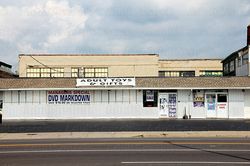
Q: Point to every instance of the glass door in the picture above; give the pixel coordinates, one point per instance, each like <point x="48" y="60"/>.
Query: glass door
<point x="211" y="105"/>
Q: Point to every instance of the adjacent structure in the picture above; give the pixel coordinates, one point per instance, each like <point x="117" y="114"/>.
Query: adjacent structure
<point x="114" y="65"/>
<point x="237" y="63"/>
<point x="5" y="71"/>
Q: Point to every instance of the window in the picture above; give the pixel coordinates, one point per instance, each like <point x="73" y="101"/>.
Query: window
<point x="45" y="72"/>
<point x="187" y="73"/>
<point x="176" y="73"/>
<point x="225" y="68"/>
<point x="89" y="72"/>
<point x="231" y="68"/>
<point x="244" y="59"/>
<point x="221" y="98"/>
<point x="239" y="61"/>
<point x="57" y="72"/>
<point x="33" y="72"/>
<point x="210" y="73"/>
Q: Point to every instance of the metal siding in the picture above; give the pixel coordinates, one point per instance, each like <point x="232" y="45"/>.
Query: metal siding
<point x="197" y="112"/>
<point x="236" y="104"/>
<point x="247" y="104"/>
<point x="183" y="102"/>
<point x="42" y="110"/>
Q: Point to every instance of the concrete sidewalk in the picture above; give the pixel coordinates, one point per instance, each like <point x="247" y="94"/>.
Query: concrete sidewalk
<point x="143" y="134"/>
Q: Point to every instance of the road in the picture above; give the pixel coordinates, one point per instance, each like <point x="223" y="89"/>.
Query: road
<point x="111" y="125"/>
<point x="125" y="152"/>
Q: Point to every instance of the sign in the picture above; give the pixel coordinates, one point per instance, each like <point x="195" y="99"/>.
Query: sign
<point x="68" y="97"/>
<point x="105" y="82"/>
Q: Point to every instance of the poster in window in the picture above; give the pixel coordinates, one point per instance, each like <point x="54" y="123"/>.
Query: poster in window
<point x="149" y="95"/>
<point x="211" y="102"/>
<point x="198" y="100"/>
<point x="172" y="105"/>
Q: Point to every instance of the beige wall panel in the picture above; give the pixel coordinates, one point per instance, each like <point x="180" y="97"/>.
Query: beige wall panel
<point x="120" y="65"/>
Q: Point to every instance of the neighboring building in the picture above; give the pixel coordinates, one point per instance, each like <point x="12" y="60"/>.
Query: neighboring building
<point x="88" y="65"/>
<point x="114" y="65"/>
<point x="5" y="70"/>
<point x="237" y="63"/>
<point x="189" y="67"/>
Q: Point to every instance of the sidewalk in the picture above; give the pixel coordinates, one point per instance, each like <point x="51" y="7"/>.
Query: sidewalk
<point x="157" y="134"/>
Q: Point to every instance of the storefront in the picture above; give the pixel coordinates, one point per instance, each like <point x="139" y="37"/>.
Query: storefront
<point x="167" y="98"/>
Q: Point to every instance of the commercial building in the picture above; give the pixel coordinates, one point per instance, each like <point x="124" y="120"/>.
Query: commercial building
<point x="140" y="97"/>
<point x="87" y="86"/>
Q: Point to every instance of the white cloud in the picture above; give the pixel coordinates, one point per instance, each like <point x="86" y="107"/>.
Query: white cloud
<point x="42" y="25"/>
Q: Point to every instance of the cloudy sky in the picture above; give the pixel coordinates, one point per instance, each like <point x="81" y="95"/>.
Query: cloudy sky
<point x="171" y="28"/>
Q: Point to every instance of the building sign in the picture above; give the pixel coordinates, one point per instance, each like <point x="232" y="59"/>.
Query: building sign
<point x="68" y="97"/>
<point x="105" y="82"/>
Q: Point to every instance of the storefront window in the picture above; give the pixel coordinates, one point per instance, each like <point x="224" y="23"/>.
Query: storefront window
<point x="150" y="98"/>
<point x="222" y="98"/>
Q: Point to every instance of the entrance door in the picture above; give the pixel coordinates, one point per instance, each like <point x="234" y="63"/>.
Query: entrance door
<point x="222" y="106"/>
<point x="217" y="105"/>
<point x="167" y="105"/>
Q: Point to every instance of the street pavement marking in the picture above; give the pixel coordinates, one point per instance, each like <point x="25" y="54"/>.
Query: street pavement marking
<point x="124" y="143"/>
<point x="184" y="162"/>
<point x="122" y="150"/>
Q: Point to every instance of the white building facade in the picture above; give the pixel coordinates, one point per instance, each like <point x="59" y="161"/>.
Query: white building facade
<point x="171" y="98"/>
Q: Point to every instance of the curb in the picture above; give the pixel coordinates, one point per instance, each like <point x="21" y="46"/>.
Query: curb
<point x="143" y="134"/>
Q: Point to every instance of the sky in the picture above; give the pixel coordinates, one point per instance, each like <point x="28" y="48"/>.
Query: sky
<point x="174" y="29"/>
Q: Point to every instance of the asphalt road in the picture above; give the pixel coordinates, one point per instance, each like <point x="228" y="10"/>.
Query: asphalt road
<point x="123" y="125"/>
<point x="125" y="152"/>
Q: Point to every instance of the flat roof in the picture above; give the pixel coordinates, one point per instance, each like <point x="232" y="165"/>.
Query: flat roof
<point x="88" y="54"/>
<point x="190" y="59"/>
<point x="141" y="83"/>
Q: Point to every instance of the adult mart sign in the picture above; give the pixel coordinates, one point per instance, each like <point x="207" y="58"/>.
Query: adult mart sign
<point x="105" y="82"/>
